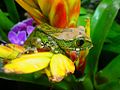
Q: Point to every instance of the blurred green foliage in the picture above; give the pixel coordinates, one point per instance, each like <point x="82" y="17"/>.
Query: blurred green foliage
<point x="102" y="72"/>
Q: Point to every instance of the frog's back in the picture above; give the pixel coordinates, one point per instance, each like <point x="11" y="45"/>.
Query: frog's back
<point x="63" y="34"/>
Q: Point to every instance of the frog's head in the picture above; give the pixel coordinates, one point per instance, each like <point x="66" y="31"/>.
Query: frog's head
<point x="79" y="50"/>
<point x="75" y="46"/>
<point x="79" y="44"/>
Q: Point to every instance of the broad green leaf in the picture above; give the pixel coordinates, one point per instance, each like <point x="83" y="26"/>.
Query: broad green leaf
<point x="26" y="78"/>
<point x="87" y="84"/>
<point x="112" y="71"/>
<point x="109" y="77"/>
<point x="114" y="32"/>
<point x="115" y="85"/>
<point x="31" y="78"/>
<point x="100" y="25"/>
<point x="11" y="8"/>
<point x="5" y="23"/>
<point x="112" y="42"/>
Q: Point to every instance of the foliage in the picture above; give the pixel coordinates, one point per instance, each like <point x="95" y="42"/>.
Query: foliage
<point x="105" y="35"/>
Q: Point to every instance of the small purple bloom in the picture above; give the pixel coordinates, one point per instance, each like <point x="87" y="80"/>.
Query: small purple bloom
<point x="20" y="31"/>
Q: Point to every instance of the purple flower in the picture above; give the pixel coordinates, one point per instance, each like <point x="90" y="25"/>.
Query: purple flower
<point x="20" y="32"/>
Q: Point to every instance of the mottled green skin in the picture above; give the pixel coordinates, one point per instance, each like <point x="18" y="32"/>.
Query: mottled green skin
<point x="44" y="36"/>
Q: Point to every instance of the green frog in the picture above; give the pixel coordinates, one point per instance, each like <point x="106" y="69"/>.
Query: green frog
<point x="73" y="42"/>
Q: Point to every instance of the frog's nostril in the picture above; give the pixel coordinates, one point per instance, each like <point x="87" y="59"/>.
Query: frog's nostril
<point x="79" y="42"/>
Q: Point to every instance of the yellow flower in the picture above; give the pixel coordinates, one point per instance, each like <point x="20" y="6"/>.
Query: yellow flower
<point x="58" y="13"/>
<point x="56" y="66"/>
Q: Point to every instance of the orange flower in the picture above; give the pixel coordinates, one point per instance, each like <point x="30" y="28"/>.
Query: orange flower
<point x="58" y="13"/>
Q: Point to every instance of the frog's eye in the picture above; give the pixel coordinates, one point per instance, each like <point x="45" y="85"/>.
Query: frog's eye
<point x="79" y="42"/>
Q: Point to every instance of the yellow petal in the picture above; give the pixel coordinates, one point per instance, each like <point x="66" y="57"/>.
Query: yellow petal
<point x="57" y="68"/>
<point x="48" y="73"/>
<point x="8" y="53"/>
<point x="32" y="3"/>
<point x="38" y="55"/>
<point x="35" y="13"/>
<point x="16" y="47"/>
<point x="45" y="6"/>
<point x="60" y="65"/>
<point x="69" y="65"/>
<point x="24" y="65"/>
<point x="74" y="10"/>
<point x="87" y="27"/>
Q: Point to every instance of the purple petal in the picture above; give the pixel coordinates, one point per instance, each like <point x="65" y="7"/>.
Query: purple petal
<point x="30" y="29"/>
<point x="28" y="21"/>
<point x="20" y="31"/>
<point x="12" y="36"/>
<point x="19" y="27"/>
<point x="22" y="37"/>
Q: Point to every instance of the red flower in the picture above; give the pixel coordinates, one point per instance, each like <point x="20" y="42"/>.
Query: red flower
<point x="58" y="13"/>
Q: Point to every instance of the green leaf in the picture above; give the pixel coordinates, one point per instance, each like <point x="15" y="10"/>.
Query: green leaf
<point x="5" y="23"/>
<point x="25" y="78"/>
<point x="3" y="35"/>
<point x="83" y="11"/>
<point x="111" y="72"/>
<point x="112" y="42"/>
<point x="31" y="78"/>
<point x="115" y="85"/>
<point x="35" y="78"/>
<point x="109" y="77"/>
<point x="11" y="8"/>
<point x="81" y="19"/>
<point x="87" y="84"/>
<point x="114" y="32"/>
<point x="100" y="25"/>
